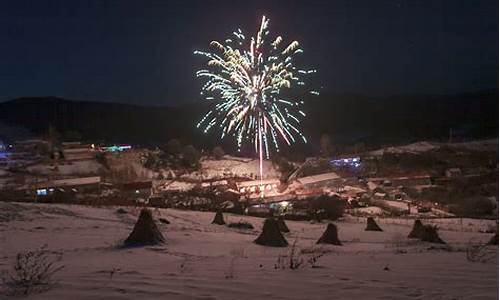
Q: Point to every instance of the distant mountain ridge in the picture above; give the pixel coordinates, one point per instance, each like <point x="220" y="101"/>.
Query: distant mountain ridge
<point x="347" y="118"/>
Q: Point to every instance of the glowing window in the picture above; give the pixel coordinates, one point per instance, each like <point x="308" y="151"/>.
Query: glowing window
<point x="41" y="192"/>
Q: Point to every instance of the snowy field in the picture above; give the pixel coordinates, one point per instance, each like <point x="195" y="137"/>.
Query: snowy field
<point x="205" y="261"/>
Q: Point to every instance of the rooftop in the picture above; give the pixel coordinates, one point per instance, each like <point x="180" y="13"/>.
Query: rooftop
<point x="137" y="185"/>
<point x="243" y="184"/>
<point x="318" y="178"/>
<point x="70" y="182"/>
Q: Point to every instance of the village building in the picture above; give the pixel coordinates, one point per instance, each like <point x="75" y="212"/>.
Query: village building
<point x="322" y="180"/>
<point x="215" y="183"/>
<point x="174" y="186"/>
<point x="254" y="188"/>
<point x="78" y="151"/>
<point x="68" y="186"/>
<point x="352" y="191"/>
<point x="402" y="181"/>
<point x="351" y="162"/>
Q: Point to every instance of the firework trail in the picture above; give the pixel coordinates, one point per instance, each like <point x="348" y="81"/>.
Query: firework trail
<point x="246" y="81"/>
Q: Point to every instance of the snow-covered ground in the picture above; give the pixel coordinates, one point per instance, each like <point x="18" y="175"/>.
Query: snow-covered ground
<point x="205" y="261"/>
<point x="369" y="211"/>
<point x="174" y="185"/>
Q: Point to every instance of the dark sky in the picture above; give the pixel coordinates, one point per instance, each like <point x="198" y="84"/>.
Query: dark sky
<point x="141" y="51"/>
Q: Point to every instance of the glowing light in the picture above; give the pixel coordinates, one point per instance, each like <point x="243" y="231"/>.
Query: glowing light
<point x="284" y="203"/>
<point x="116" y="148"/>
<point x="346" y="162"/>
<point x="246" y="86"/>
<point x="41" y="192"/>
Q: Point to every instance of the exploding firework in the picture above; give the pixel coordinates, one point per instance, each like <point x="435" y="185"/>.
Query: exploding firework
<point x="246" y="82"/>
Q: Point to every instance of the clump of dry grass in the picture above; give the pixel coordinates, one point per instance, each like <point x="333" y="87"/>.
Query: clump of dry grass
<point x="480" y="252"/>
<point x="297" y="259"/>
<point x="33" y="272"/>
<point x="241" y="225"/>
<point x="230" y="272"/>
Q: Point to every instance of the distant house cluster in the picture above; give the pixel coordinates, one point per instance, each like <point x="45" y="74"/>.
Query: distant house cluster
<point x="273" y="189"/>
<point x="255" y="187"/>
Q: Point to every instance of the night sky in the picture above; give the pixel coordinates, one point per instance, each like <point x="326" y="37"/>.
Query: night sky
<point x="141" y="52"/>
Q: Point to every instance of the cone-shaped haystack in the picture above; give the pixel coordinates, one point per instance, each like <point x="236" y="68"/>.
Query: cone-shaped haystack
<point x="417" y="230"/>
<point x="271" y="235"/>
<point x="430" y="234"/>
<point x="330" y="236"/>
<point x="282" y="225"/>
<point x="494" y="240"/>
<point x="145" y="231"/>
<point x="219" y="218"/>
<point x="371" y="225"/>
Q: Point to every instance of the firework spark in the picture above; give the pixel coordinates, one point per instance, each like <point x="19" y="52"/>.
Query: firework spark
<point x="246" y="83"/>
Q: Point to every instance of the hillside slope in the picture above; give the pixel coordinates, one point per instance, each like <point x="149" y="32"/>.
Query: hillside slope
<point x="346" y="118"/>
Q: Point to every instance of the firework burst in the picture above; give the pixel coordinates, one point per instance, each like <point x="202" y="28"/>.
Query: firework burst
<point x="246" y="81"/>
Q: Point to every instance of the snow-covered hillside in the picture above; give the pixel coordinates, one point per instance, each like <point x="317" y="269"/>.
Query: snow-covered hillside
<point x="420" y="147"/>
<point x="237" y="166"/>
